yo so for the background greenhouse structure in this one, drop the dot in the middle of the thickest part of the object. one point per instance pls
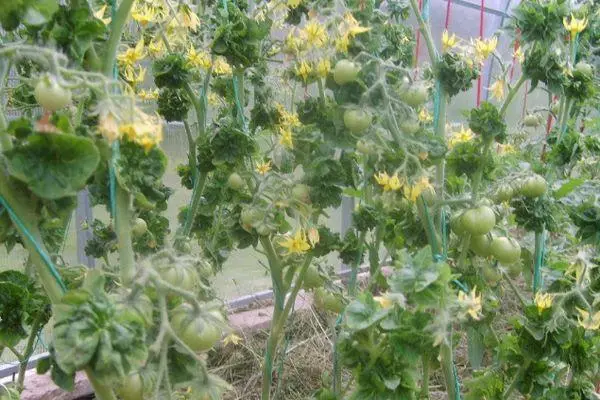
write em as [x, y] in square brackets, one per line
[241, 280]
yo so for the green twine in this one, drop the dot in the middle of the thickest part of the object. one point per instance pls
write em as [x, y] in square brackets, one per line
[112, 178]
[41, 252]
[540, 242]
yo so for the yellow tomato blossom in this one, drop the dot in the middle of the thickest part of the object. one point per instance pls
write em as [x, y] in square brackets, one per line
[143, 15]
[342, 43]
[464, 135]
[425, 116]
[156, 48]
[485, 47]
[471, 302]
[108, 126]
[323, 68]
[222, 67]
[285, 138]
[293, 3]
[387, 182]
[100, 15]
[292, 44]
[506, 149]
[197, 59]
[296, 244]
[589, 321]
[303, 70]
[448, 41]
[384, 301]
[313, 236]
[497, 89]
[214, 99]
[287, 120]
[264, 167]
[519, 55]
[350, 26]
[412, 192]
[133, 54]
[232, 339]
[575, 25]
[314, 33]
[543, 301]
[148, 94]
[134, 76]
[188, 18]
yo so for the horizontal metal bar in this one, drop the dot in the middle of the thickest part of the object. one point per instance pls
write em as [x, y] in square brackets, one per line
[474, 6]
[13, 368]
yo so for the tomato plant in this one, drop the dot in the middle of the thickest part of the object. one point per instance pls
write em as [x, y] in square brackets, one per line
[287, 108]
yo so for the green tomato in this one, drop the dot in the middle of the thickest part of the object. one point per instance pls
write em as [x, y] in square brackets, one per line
[179, 276]
[491, 275]
[139, 227]
[515, 269]
[534, 186]
[410, 126]
[504, 193]
[199, 333]
[505, 250]
[328, 301]
[478, 221]
[480, 244]
[456, 224]
[584, 68]
[50, 95]
[357, 121]
[367, 148]
[235, 181]
[313, 278]
[532, 120]
[132, 387]
[415, 94]
[345, 71]
[250, 216]
[301, 193]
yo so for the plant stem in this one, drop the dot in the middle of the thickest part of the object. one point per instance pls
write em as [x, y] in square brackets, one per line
[279, 321]
[514, 289]
[321, 91]
[511, 95]
[29, 347]
[424, 27]
[5, 140]
[192, 151]
[564, 119]
[116, 25]
[479, 172]
[520, 372]
[124, 238]
[425, 383]
[440, 131]
[447, 364]
[190, 217]
[538, 260]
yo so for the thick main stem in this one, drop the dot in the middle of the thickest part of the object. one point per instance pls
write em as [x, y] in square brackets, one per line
[124, 238]
[29, 347]
[447, 364]
[440, 131]
[194, 205]
[520, 372]
[511, 94]
[5, 140]
[117, 25]
[538, 260]
[425, 382]
[424, 27]
[279, 318]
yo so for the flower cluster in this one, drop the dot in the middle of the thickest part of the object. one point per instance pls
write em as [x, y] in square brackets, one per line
[300, 242]
[130, 123]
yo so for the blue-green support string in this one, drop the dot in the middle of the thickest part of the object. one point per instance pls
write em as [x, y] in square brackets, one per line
[42, 253]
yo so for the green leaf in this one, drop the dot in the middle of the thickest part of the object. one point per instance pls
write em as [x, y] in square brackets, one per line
[568, 187]
[363, 313]
[40, 12]
[54, 165]
[43, 366]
